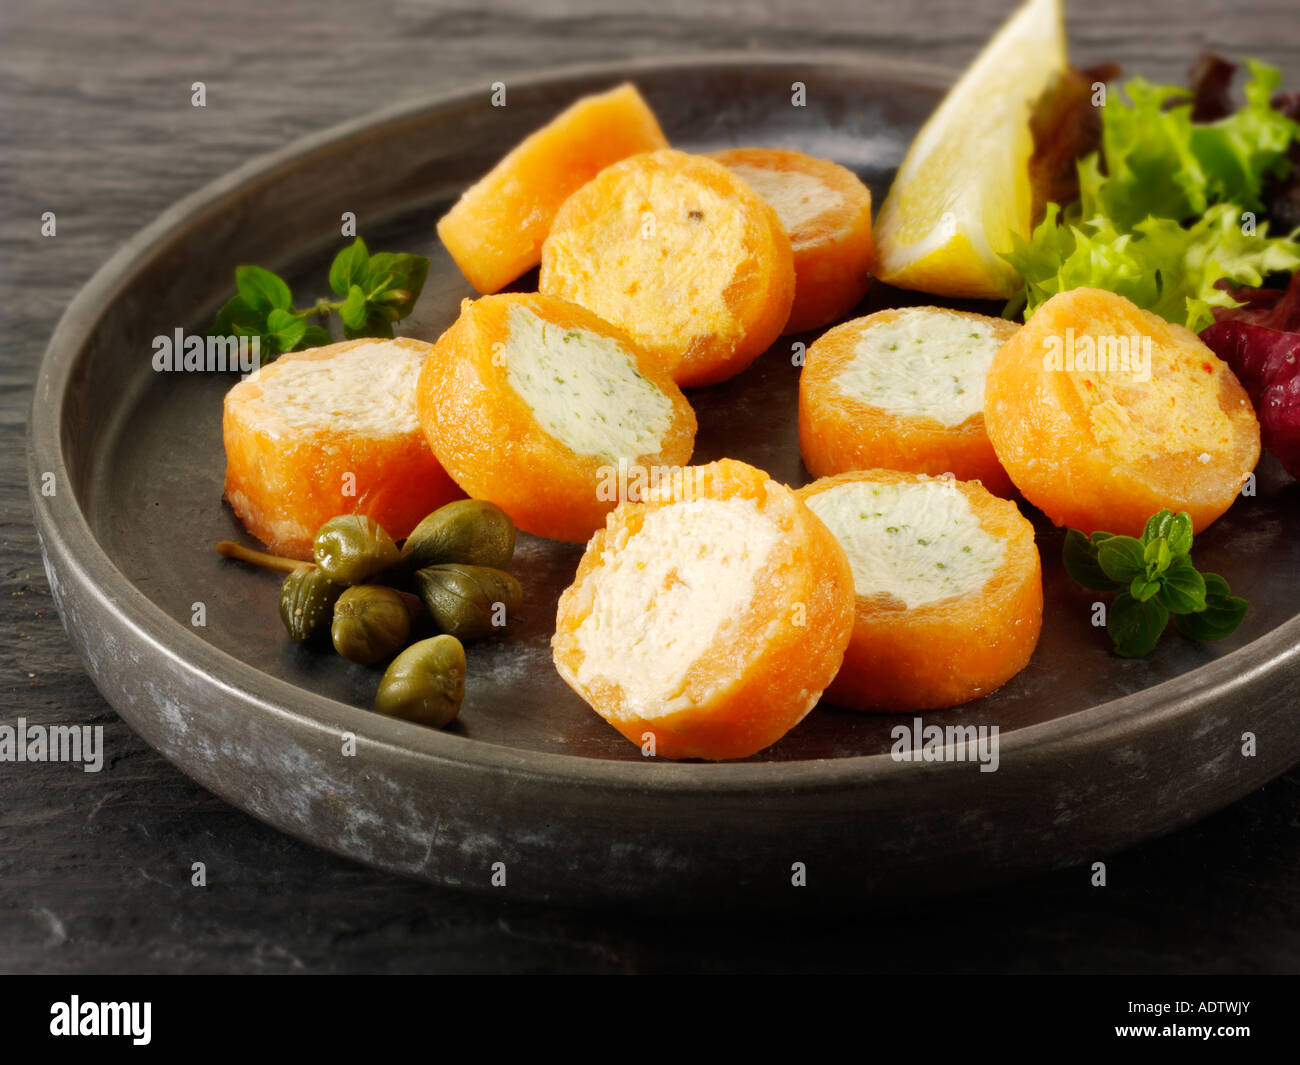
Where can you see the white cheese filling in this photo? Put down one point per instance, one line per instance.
(584, 389)
(923, 363)
(666, 594)
(368, 390)
(918, 542)
(797, 198)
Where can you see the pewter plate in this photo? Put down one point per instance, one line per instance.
(1095, 752)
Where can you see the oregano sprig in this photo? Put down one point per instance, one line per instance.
(374, 291)
(1154, 579)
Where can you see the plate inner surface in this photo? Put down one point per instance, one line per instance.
(152, 484)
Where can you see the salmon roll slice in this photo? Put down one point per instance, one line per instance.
(949, 595)
(707, 619)
(682, 254)
(1104, 413)
(331, 431)
(826, 211)
(902, 390)
(536, 405)
(495, 230)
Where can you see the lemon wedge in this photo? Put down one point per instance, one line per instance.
(964, 188)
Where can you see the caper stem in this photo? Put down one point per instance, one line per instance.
(230, 549)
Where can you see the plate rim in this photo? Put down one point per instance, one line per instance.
(61, 520)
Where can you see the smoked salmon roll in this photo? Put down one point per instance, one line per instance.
(331, 431)
(949, 596)
(1104, 414)
(705, 621)
(538, 406)
(683, 255)
(902, 390)
(826, 210)
(495, 230)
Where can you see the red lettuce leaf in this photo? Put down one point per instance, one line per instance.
(1210, 79)
(1267, 362)
(1276, 308)
(1281, 193)
(1065, 126)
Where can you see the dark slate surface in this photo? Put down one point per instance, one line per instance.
(96, 125)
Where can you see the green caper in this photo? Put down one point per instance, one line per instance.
(370, 622)
(307, 600)
(469, 531)
(425, 683)
(352, 547)
(468, 601)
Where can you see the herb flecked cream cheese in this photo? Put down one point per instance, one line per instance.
(923, 364)
(917, 542)
(584, 389)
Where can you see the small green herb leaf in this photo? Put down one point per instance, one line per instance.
(315, 336)
(351, 266)
(376, 324)
(1143, 588)
(1215, 586)
(353, 312)
(262, 290)
(1183, 590)
(1136, 627)
(1156, 525)
(288, 330)
(1121, 558)
(1080, 558)
(1222, 614)
(1156, 556)
(267, 345)
(391, 272)
(1180, 534)
(236, 314)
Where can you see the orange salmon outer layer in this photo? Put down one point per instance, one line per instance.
(839, 433)
(495, 231)
(488, 440)
(284, 486)
(748, 691)
(833, 252)
(1185, 440)
(626, 246)
(950, 651)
